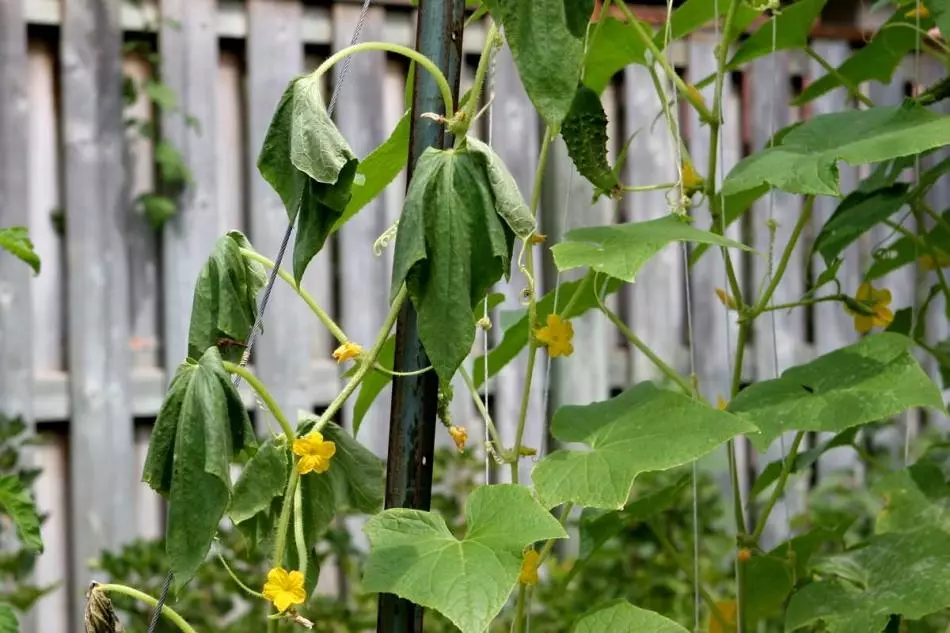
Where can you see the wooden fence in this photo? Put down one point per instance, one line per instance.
(85, 347)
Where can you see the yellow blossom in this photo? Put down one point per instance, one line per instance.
(347, 351)
(529, 568)
(744, 555)
(877, 301)
(459, 436)
(692, 181)
(284, 588)
(726, 299)
(927, 262)
(727, 608)
(921, 12)
(537, 238)
(721, 403)
(557, 336)
(314, 453)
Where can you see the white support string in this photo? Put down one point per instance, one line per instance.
(908, 420)
(490, 118)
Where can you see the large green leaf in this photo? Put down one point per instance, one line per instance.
(201, 425)
(619, 616)
(515, 336)
(806, 159)
(377, 170)
(870, 380)
(614, 46)
(585, 135)
(907, 574)
(918, 496)
(16, 241)
(856, 215)
(310, 166)
(414, 555)
(790, 28)
(509, 203)
(451, 248)
(16, 503)
(225, 300)
(547, 44)
(643, 429)
(621, 250)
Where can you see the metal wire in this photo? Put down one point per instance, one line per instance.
(265, 299)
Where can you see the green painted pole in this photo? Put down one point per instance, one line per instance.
(414, 398)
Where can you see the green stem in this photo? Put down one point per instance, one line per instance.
(523, 414)
(283, 523)
(264, 394)
(804, 302)
(390, 372)
(803, 219)
(482, 409)
(920, 242)
(480, 73)
(321, 314)
(575, 297)
(779, 486)
(662, 185)
(517, 625)
(549, 544)
(167, 611)
(405, 51)
(853, 90)
(237, 580)
(298, 531)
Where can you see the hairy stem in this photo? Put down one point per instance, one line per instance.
(779, 486)
(167, 611)
(264, 394)
(298, 531)
(480, 73)
(237, 580)
(482, 409)
(853, 90)
(803, 219)
(283, 522)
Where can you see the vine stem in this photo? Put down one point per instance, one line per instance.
(405, 51)
(800, 225)
(919, 241)
(804, 302)
(298, 531)
(657, 187)
(853, 90)
(167, 611)
(480, 405)
(480, 73)
(517, 625)
(779, 486)
(238, 581)
(283, 523)
(265, 395)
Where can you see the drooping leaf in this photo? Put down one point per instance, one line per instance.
(870, 380)
(613, 46)
(803, 461)
(516, 335)
(916, 497)
(857, 214)
(906, 574)
(263, 479)
(621, 250)
(225, 298)
(643, 429)
(585, 135)
(16, 503)
(547, 46)
(791, 27)
(376, 171)
(769, 581)
(619, 616)
(16, 241)
(310, 166)
(451, 248)
(509, 203)
(806, 159)
(8, 620)
(201, 425)
(411, 548)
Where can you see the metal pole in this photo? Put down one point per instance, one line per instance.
(413, 413)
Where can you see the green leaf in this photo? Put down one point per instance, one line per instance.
(692, 15)
(161, 95)
(171, 165)
(516, 335)
(619, 616)
(16, 240)
(585, 136)
(857, 214)
(800, 549)
(791, 27)
(806, 159)
(377, 170)
(643, 429)
(905, 574)
(411, 548)
(225, 299)
(158, 209)
(917, 497)
(613, 46)
(905, 250)
(8, 620)
(547, 45)
(509, 203)
(870, 380)
(734, 207)
(621, 250)
(451, 248)
(803, 461)
(16, 503)
(310, 166)
(940, 14)
(769, 580)
(201, 425)
(263, 479)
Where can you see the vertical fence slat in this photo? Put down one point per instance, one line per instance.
(53, 613)
(274, 57)
(97, 208)
(189, 67)
(516, 139)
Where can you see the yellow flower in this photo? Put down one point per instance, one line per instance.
(284, 588)
(728, 610)
(459, 436)
(314, 453)
(927, 262)
(529, 568)
(877, 301)
(721, 403)
(557, 336)
(726, 299)
(921, 12)
(347, 351)
(692, 181)
(537, 238)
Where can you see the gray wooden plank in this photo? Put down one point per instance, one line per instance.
(230, 143)
(274, 57)
(97, 207)
(51, 492)
(516, 140)
(189, 67)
